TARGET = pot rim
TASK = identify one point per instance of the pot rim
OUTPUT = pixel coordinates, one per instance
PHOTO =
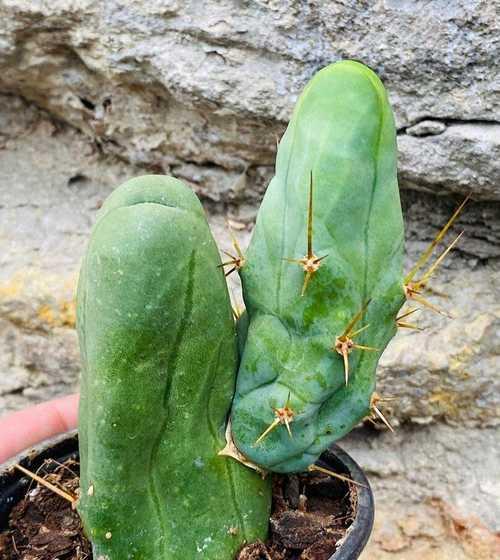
(13, 485)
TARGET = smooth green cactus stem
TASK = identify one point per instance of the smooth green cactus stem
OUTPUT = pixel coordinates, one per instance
(159, 355)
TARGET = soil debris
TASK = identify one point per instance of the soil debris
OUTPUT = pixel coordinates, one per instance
(44, 526)
(311, 514)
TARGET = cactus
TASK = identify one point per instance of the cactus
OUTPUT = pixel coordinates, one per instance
(323, 285)
(159, 357)
(322, 278)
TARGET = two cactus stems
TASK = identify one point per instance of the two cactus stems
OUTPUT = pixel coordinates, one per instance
(179, 401)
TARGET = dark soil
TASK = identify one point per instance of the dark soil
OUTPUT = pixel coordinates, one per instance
(44, 526)
(310, 515)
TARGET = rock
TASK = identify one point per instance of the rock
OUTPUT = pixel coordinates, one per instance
(206, 97)
(450, 369)
(453, 465)
(437, 532)
(464, 157)
(426, 128)
(52, 182)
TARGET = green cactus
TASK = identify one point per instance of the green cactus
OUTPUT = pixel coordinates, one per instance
(159, 357)
(322, 282)
(322, 278)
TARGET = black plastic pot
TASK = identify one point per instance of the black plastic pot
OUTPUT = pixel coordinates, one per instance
(13, 485)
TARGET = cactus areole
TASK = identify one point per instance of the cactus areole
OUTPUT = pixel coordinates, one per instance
(322, 281)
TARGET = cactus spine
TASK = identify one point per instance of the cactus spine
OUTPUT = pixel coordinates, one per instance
(159, 356)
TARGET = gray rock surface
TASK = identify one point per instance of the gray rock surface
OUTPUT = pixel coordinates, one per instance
(426, 128)
(94, 92)
(52, 180)
(433, 463)
(436, 490)
(202, 88)
(462, 158)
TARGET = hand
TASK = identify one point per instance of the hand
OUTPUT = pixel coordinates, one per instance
(27, 427)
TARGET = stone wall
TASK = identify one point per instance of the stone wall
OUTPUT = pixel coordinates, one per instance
(92, 93)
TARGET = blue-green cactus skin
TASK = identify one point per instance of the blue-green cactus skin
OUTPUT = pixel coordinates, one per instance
(342, 131)
(159, 355)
